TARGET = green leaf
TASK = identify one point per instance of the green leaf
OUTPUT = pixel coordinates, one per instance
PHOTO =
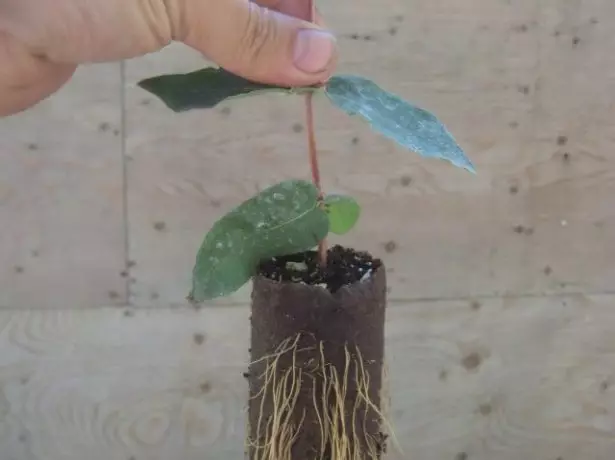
(206, 88)
(408, 125)
(343, 212)
(283, 219)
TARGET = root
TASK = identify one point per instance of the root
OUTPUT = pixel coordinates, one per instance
(385, 400)
(343, 415)
(279, 433)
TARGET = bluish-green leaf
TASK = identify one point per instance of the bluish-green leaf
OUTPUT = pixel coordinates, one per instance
(206, 88)
(282, 219)
(408, 125)
(343, 212)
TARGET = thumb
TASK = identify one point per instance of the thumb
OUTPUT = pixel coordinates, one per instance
(258, 43)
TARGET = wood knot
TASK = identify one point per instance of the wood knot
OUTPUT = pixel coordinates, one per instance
(472, 361)
(198, 338)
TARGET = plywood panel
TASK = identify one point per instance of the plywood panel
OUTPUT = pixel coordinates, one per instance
(569, 169)
(499, 379)
(62, 238)
(471, 62)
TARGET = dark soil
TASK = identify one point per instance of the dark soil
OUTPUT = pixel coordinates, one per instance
(345, 266)
(333, 328)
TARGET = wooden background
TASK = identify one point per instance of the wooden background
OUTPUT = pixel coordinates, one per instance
(501, 327)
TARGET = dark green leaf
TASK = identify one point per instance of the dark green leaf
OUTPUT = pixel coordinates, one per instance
(410, 126)
(206, 88)
(282, 219)
(343, 212)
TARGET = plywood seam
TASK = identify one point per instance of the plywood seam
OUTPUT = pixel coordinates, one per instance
(392, 303)
(125, 224)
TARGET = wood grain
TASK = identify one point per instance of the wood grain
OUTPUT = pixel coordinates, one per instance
(498, 379)
(61, 205)
(569, 171)
(530, 222)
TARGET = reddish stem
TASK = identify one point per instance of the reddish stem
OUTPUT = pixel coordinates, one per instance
(309, 116)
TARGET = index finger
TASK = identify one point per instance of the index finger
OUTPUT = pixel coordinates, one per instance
(296, 8)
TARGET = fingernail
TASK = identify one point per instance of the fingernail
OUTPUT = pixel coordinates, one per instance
(313, 50)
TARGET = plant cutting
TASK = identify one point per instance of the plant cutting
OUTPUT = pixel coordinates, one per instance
(317, 369)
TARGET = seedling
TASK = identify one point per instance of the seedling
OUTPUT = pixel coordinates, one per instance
(317, 342)
(292, 216)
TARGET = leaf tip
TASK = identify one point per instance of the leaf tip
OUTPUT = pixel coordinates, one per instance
(466, 164)
(151, 85)
(190, 299)
(148, 84)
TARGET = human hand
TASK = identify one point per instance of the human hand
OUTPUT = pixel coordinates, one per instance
(43, 42)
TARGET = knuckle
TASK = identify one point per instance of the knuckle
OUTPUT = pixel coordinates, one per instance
(258, 32)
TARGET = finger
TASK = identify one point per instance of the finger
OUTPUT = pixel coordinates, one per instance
(78, 31)
(26, 79)
(258, 43)
(296, 8)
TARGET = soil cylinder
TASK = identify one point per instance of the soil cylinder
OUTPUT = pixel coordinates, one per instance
(317, 357)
